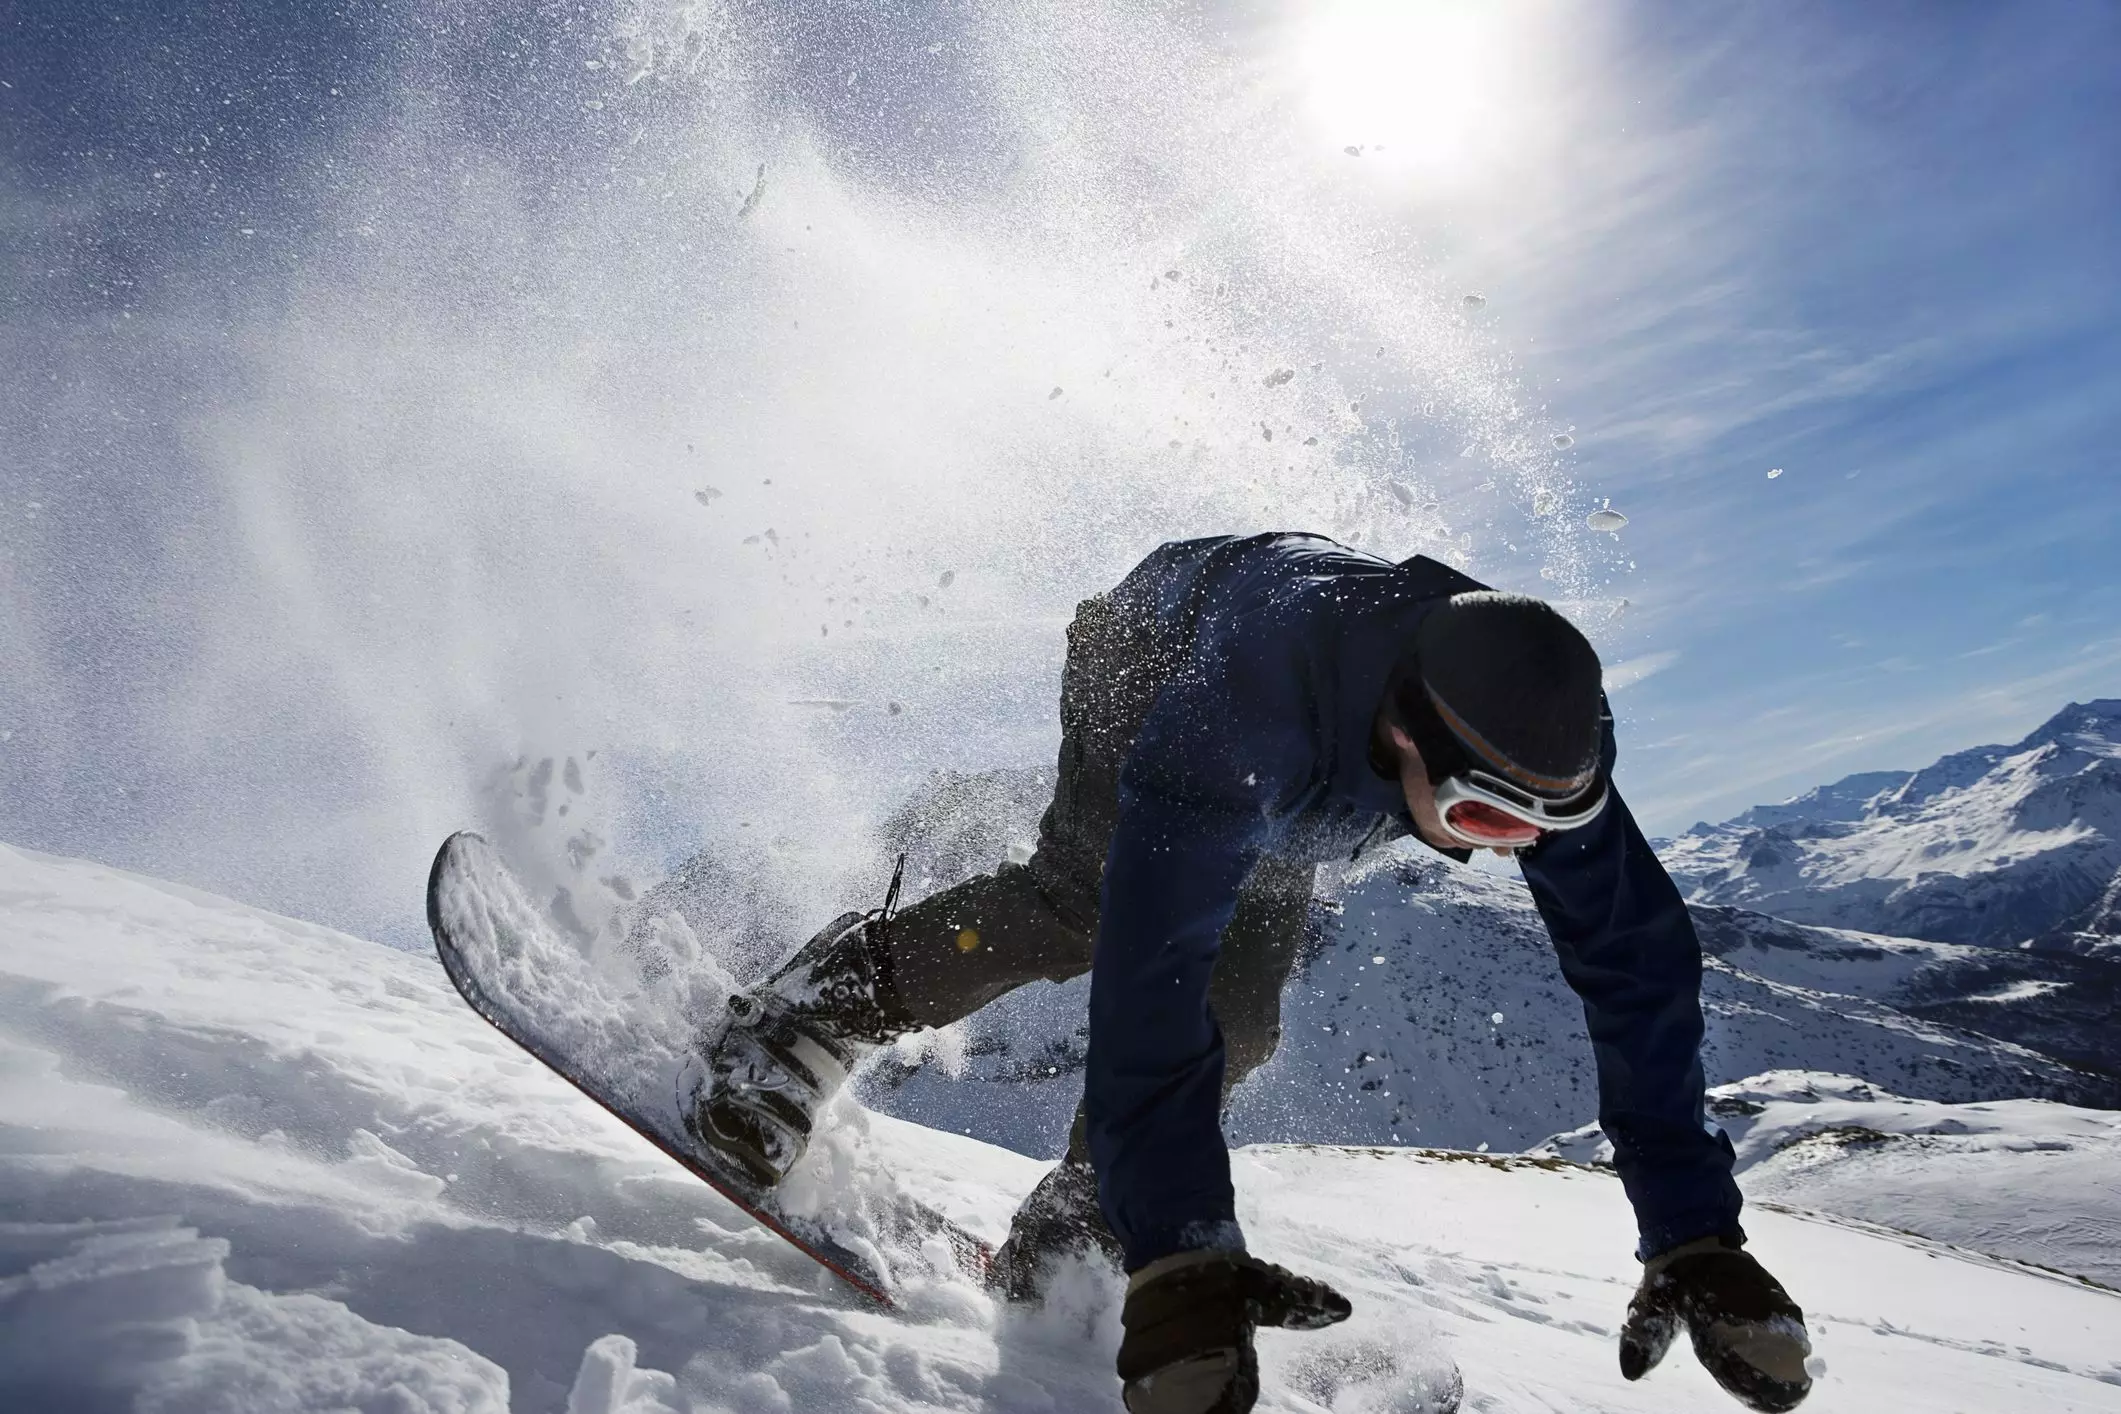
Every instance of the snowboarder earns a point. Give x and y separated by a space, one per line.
1233 713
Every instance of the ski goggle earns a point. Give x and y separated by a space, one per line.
1484 811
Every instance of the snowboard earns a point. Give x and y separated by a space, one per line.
539 989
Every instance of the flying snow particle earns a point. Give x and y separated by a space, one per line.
1400 493
1279 376
1352 151
1266 432
1476 301
706 495
1544 502
1774 472
1378 959
1563 441
1483 1147
1170 274
1310 441
1054 394
894 707
1496 1019
946 579
1605 520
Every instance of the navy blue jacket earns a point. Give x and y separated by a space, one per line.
1259 745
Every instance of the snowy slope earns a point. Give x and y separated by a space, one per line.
2028 1179
1999 845
249 1164
1434 1013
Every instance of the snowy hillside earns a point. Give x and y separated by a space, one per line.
1434 1013
251 1165
1999 845
2059 1004
2027 1179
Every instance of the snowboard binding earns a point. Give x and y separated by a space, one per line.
751 1093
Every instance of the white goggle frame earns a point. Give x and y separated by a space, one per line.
1484 788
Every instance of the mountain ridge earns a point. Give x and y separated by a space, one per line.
2002 846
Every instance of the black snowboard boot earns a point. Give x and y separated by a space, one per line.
1060 1219
752 1091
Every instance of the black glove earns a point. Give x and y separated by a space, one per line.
1746 1330
1189 1321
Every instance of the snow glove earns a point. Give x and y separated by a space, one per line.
1189 1320
1746 1330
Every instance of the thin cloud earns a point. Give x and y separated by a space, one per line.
1621 676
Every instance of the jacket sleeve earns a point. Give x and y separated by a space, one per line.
1197 795
1628 949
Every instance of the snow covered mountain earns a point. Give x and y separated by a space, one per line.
2059 1004
1391 1033
251 1166
1999 846
1433 1012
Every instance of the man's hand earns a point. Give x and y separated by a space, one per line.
1189 1321
1746 1330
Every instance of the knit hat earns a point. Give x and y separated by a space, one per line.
1516 687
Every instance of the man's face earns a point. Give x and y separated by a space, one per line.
1421 796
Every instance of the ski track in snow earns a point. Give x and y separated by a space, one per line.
250 1164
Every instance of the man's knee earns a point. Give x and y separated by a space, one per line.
1246 1050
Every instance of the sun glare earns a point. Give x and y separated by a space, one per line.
1426 82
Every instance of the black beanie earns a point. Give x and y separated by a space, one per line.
1516 685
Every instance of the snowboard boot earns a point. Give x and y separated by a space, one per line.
751 1092
1060 1219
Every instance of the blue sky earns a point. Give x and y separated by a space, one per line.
364 374
1898 283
